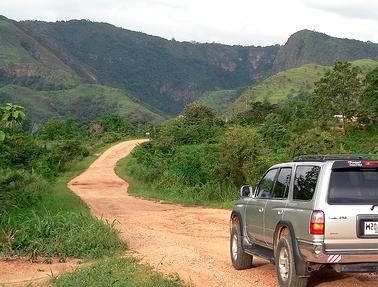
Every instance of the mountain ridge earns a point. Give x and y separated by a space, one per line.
164 74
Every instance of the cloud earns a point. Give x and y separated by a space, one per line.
362 9
237 22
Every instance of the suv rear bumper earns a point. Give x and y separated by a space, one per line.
315 252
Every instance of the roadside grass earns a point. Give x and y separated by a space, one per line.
119 272
128 169
58 224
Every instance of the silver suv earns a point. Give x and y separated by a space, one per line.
315 212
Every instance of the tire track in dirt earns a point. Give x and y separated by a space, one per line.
190 241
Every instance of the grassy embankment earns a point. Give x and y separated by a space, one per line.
209 195
58 223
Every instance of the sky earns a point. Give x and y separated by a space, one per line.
233 22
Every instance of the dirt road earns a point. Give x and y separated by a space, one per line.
190 241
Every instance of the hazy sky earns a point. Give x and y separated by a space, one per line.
245 22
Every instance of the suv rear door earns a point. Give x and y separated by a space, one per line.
256 207
276 204
351 219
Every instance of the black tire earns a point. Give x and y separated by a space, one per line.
240 260
285 268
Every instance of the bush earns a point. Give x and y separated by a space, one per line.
60 234
62 130
19 150
115 124
19 189
239 148
314 141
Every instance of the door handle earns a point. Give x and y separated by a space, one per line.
280 212
261 209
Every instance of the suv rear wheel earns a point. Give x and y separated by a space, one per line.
240 259
285 264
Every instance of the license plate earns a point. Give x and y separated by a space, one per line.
371 228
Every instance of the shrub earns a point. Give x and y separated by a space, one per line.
239 147
60 234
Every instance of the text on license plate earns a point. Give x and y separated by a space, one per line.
371 227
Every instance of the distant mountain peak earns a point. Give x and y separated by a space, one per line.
312 47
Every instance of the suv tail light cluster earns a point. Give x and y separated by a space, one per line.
317 223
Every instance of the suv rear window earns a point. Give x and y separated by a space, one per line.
306 178
353 186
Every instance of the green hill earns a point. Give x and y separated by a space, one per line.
26 62
219 100
85 102
286 84
164 74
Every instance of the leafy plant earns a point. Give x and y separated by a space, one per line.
10 115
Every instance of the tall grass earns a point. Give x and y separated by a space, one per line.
42 217
62 234
211 194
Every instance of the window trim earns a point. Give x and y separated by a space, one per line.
288 186
316 186
274 182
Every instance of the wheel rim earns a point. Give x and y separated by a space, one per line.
283 264
235 247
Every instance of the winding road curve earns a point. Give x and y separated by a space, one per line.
190 241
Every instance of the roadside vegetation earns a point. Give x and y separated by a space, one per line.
39 216
197 158
117 272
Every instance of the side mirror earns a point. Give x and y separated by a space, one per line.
246 191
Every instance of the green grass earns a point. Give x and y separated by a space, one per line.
117 272
129 169
59 224
84 102
289 83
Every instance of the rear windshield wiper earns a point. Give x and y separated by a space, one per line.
374 205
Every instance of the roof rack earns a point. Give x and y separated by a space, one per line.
326 157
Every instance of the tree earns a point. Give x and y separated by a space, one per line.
257 114
369 101
338 93
194 113
239 147
314 141
10 115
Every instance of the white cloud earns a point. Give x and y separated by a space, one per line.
362 9
246 22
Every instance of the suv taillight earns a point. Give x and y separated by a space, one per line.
317 223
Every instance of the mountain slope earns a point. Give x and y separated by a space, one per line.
85 102
24 61
290 83
165 74
309 47
219 100
161 73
